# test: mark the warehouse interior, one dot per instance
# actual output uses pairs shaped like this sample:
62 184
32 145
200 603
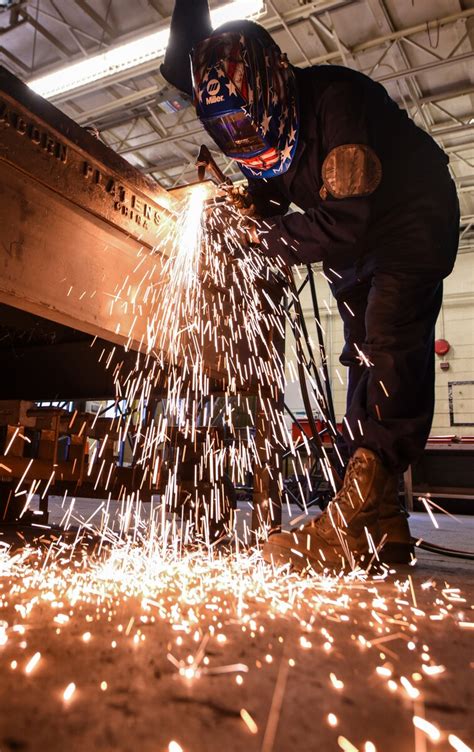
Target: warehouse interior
149 384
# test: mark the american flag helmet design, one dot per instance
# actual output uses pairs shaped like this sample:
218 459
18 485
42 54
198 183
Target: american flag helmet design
244 86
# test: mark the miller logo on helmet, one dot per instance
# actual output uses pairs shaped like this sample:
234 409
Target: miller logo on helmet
213 87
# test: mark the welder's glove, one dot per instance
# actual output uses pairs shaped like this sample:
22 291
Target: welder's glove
241 199
228 227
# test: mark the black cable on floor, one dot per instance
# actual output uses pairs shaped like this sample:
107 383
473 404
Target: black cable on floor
441 550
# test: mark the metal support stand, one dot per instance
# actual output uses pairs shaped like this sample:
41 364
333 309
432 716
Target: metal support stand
314 365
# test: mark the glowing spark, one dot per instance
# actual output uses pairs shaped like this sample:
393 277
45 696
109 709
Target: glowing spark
411 691
346 745
249 721
427 506
32 663
69 691
457 744
337 683
412 590
3 634
332 719
428 728
433 670
175 747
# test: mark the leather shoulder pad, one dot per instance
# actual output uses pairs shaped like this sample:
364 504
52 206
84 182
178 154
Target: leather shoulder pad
351 170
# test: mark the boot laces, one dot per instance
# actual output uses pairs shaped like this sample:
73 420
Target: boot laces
343 499
352 469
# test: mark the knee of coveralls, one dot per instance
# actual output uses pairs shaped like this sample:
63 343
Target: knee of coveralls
350 357
352 305
391 407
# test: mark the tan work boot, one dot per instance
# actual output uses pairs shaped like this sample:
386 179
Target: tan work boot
397 547
339 538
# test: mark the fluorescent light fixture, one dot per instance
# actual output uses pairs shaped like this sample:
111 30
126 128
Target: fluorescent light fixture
235 10
130 54
103 65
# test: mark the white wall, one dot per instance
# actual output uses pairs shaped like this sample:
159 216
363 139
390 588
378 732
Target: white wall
455 323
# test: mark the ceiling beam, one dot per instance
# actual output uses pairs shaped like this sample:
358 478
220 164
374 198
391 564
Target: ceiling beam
61 20
63 51
446 94
398 34
85 7
451 131
12 26
20 65
426 67
166 140
127 101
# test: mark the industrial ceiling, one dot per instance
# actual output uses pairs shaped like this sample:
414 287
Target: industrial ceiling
421 50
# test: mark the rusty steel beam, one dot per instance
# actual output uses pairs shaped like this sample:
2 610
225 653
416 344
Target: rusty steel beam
76 220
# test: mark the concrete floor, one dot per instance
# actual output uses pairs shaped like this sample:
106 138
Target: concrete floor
373 654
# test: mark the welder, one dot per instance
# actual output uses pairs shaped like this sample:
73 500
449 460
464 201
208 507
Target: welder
378 208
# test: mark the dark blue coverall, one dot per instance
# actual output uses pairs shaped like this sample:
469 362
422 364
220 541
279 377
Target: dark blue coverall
386 254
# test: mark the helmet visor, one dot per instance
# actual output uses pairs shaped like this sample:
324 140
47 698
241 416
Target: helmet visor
235 134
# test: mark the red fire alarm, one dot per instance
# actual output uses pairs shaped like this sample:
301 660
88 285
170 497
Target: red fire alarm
442 347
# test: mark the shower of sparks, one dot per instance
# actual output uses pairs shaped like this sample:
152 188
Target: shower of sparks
162 565
206 306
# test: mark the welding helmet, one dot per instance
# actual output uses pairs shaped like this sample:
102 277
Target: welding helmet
246 98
